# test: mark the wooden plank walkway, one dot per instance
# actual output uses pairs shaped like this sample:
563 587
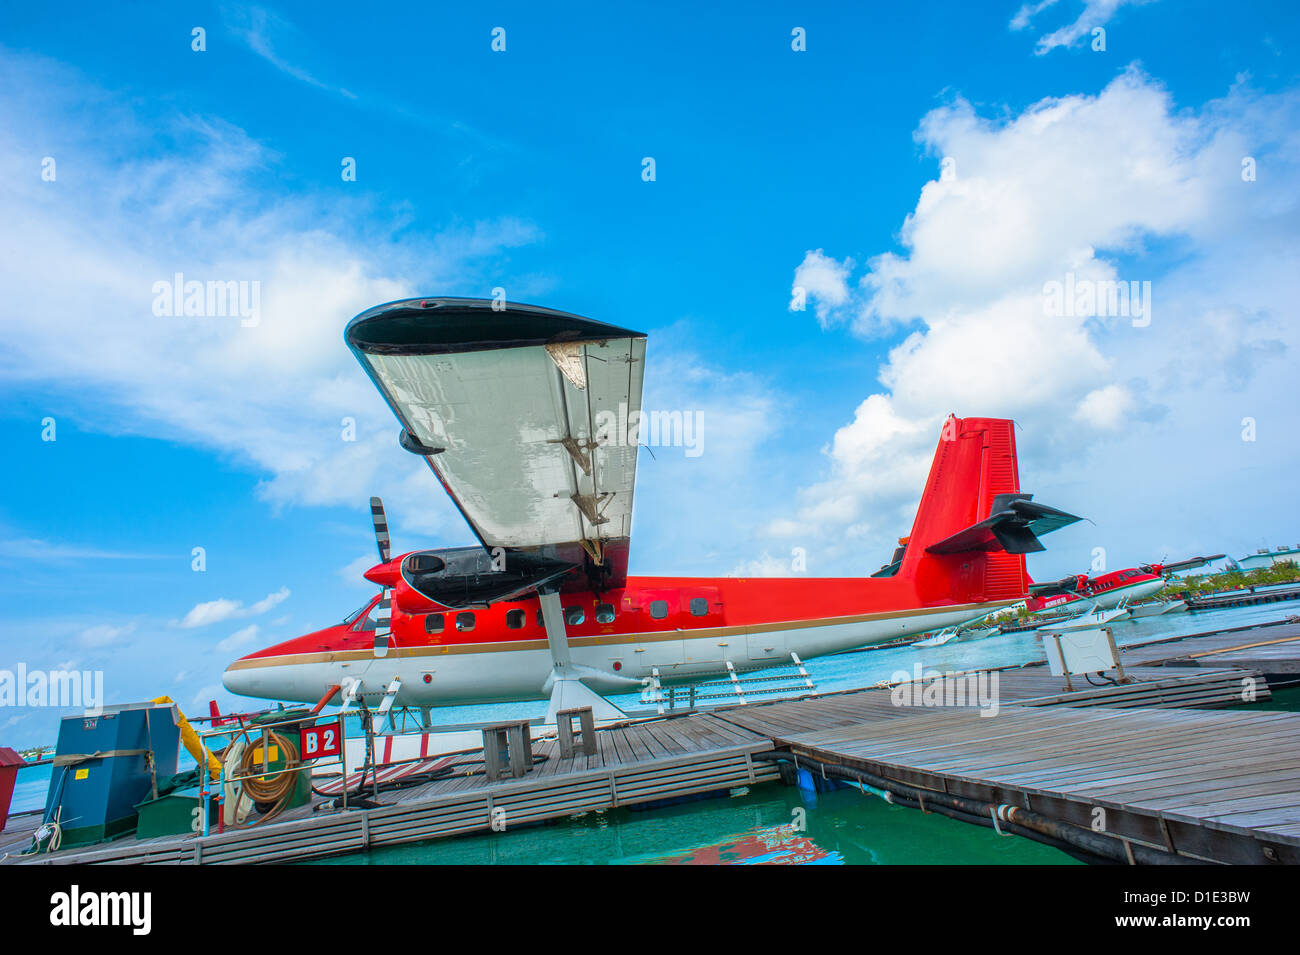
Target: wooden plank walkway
1272 649
1212 785
635 763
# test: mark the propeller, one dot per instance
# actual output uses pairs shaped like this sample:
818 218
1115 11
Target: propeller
384 612
380 520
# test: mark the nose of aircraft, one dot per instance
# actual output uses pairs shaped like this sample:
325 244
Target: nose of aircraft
239 682
279 672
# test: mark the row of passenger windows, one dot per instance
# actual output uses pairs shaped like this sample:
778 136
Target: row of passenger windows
573 616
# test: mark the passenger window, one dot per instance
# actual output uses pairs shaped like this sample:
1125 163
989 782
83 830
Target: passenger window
434 623
574 616
604 613
659 609
541 621
699 606
515 619
464 622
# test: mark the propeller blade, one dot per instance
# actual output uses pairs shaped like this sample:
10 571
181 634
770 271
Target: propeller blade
383 623
380 521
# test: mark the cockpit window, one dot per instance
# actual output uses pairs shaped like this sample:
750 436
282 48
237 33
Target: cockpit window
368 622
351 618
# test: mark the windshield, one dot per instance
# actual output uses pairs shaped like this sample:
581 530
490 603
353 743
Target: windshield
359 611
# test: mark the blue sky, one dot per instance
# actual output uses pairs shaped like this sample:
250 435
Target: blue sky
522 169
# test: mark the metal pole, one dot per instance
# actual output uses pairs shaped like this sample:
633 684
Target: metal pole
343 757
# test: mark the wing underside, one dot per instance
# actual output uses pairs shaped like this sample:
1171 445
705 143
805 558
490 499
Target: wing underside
523 414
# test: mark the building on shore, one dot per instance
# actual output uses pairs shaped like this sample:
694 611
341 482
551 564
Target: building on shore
1267 558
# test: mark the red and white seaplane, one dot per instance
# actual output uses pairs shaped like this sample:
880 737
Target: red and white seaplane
1108 591
528 418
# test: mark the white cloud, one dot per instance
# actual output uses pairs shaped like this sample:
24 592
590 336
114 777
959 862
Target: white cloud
207 694
1027 12
269 601
825 281
33 549
239 639
1095 13
764 566
698 511
137 199
1106 408
102 635
258 29
215 611
1085 186
353 571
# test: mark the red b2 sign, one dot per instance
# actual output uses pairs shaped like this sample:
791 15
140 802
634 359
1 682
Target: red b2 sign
321 740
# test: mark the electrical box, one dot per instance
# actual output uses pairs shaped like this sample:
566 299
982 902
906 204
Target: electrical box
1079 651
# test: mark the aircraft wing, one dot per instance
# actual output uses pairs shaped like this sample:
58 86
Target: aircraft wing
1190 562
523 415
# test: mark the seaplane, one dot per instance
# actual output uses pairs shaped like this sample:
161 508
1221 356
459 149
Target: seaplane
528 418
1119 588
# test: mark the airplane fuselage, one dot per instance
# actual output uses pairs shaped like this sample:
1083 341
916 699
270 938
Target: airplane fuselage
681 629
1105 592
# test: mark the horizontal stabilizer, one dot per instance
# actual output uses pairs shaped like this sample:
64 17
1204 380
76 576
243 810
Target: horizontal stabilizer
1014 525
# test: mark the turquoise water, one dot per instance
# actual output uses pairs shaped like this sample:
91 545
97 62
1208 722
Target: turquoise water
843 827
757 826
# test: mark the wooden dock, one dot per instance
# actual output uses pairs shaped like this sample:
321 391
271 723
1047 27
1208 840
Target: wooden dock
1250 599
636 763
1272 649
1204 786
1173 774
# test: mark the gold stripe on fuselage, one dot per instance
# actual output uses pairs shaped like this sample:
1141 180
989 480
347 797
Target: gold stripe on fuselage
602 640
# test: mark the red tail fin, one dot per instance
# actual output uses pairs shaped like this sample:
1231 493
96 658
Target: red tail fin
974 526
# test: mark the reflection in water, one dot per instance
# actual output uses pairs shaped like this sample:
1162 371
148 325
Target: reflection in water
771 824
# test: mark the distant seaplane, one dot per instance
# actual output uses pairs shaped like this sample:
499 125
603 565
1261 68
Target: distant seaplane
520 411
1108 591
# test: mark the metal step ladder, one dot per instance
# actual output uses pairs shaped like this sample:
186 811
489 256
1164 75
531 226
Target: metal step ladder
378 716
384 714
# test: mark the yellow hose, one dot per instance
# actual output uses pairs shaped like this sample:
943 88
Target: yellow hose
191 739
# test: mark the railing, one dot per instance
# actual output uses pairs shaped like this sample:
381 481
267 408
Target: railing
262 739
735 688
